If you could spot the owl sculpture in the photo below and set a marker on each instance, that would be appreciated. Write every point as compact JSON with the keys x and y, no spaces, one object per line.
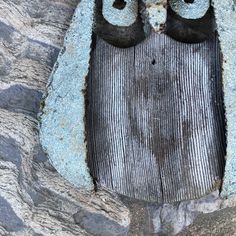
{"x":135,"y":100}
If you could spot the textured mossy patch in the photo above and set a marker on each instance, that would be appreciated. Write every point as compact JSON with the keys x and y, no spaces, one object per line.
{"x":226,"y":17}
{"x":62,"y":130}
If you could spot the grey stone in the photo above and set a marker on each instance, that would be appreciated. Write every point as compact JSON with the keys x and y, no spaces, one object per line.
{"x":8,"y":219}
{"x":98,"y":224}
{"x":6,"y":32}
{"x":20,"y":99}
{"x":5,"y":65}
{"x":218,"y":223}
{"x":37,"y":50}
{"x":9,"y":151}
{"x":39,"y":154}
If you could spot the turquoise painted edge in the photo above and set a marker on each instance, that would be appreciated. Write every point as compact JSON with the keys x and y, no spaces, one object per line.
{"x":125,"y":17}
{"x":62,"y":131}
{"x":194,"y":10}
{"x":226,"y":17}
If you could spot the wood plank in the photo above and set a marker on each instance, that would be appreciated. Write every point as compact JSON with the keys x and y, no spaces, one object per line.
{"x":156,"y":119}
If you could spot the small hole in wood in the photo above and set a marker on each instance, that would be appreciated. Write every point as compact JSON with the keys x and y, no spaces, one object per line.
{"x":153,"y":62}
{"x":119,"y":4}
{"x":189,"y":1}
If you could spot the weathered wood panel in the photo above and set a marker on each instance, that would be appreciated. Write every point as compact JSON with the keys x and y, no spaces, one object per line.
{"x":156,"y":118}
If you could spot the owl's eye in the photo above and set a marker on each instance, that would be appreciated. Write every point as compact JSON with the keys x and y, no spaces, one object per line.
{"x":190,"y":9}
{"x":119,"y":4}
{"x":120,"y":12}
{"x":119,"y":23}
{"x":190,"y":21}
{"x":125,"y":23}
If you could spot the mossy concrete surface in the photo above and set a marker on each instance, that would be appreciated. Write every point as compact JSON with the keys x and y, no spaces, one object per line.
{"x":190,"y":9}
{"x":125,"y":16}
{"x":225,"y":18}
{"x":62,"y":122}
{"x":154,"y":15}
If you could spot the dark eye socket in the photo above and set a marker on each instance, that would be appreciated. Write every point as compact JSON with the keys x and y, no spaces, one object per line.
{"x":119,"y":4}
{"x":189,"y":1}
{"x":118,"y":36}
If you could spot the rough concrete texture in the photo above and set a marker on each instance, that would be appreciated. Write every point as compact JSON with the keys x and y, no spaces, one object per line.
{"x":124,"y":13}
{"x":170,"y":219}
{"x":218,"y":223}
{"x":195,"y":216}
{"x":154,"y":15}
{"x":225,"y":19}
{"x":193,"y":10}
{"x":62,"y":121}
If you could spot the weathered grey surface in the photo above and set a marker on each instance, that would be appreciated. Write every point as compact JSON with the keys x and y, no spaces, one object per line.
{"x":34,"y":199}
{"x":219,"y":223}
{"x":152,"y":219}
{"x":156,"y":119}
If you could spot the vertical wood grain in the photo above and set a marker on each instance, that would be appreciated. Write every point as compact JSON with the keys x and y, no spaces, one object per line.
{"x":156,"y":118}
